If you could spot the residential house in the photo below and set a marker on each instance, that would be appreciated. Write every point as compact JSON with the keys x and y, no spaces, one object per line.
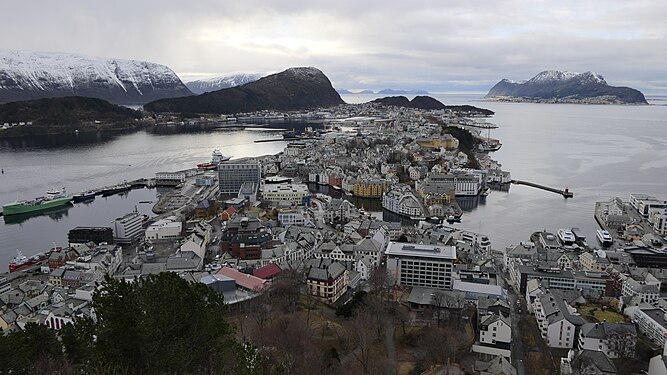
{"x":495,"y":336}
{"x":615,"y":340}
{"x":586,"y":362}
{"x":557,"y":321}
{"x":227,"y":214}
{"x":326,"y":279}
{"x":497,"y":366}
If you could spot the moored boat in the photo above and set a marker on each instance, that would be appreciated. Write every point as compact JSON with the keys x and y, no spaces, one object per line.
{"x":83,"y":196}
{"x":21,"y":260}
{"x":53,"y":198}
{"x":111,"y":190}
{"x":217,"y":157}
{"x":604,"y":237}
{"x":451,"y":219}
{"x":566,"y":237}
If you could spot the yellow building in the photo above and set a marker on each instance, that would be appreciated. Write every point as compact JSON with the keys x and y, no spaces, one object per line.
{"x":447,"y":141}
{"x":435,"y":193}
{"x":370,"y":187}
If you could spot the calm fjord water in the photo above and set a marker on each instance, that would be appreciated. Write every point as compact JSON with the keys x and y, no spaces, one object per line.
{"x":597,"y":151}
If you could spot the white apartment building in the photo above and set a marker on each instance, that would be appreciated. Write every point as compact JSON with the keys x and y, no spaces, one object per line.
{"x":170,"y":177}
{"x":651,"y":321}
{"x":465,"y":183}
{"x":128,"y":228}
{"x":412,"y":264}
{"x":293,"y":193}
{"x":165,"y":229}
{"x":401,"y":200}
{"x":658,"y":218}
{"x":644,"y":203}
{"x":648,"y":290}
{"x":557,"y":321}
{"x":293,"y":217}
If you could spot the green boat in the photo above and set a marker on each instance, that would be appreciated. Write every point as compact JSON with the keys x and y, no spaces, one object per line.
{"x":53,"y":198}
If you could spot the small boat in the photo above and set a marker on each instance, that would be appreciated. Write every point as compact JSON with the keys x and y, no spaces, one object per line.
{"x":566,"y":237}
{"x":491,"y":145}
{"x":453,"y":219}
{"x":417,"y":218}
{"x":604,"y":237}
{"x":336,"y":187}
{"x":111,"y":190}
{"x":83,"y":196}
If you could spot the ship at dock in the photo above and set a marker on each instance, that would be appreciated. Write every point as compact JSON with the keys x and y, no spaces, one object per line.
{"x":53,"y":199}
{"x":217,"y":157}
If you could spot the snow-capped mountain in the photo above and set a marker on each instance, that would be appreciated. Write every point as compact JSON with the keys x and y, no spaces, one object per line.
{"x":554,"y":84}
{"x":35,"y":75}
{"x":223,"y":82}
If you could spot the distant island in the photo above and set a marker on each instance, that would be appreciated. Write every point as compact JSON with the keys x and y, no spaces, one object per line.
{"x":294,"y":89}
{"x":383,"y":92}
{"x":429,"y":103}
{"x":552,"y":86}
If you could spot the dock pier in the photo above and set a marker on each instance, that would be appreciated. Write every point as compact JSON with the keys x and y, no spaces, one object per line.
{"x":565,"y":193}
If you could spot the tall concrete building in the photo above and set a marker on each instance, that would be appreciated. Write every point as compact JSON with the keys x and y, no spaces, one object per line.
{"x":128,"y":228}
{"x":232,"y":175}
{"x":412,"y":264}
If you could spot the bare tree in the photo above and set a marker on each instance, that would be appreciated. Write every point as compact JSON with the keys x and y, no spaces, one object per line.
{"x":439,"y":301}
{"x":440,"y":345}
{"x":286,"y":290}
{"x":622,"y":343}
{"x":362,"y":339}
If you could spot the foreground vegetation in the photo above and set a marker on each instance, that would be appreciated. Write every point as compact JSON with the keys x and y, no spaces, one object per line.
{"x":161,"y":324}
{"x":164,"y":325}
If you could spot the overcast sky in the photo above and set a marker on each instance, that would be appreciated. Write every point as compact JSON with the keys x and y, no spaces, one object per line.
{"x":441,"y":46}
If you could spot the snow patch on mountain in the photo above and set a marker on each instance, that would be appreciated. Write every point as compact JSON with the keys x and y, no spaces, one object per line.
{"x":40,"y":74}
{"x":201,"y":86}
{"x":555,"y":75}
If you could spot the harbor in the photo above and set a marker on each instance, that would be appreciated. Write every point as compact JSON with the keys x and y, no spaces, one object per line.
{"x":112,"y":160}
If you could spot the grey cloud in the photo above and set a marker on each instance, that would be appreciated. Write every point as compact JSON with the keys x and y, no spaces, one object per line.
{"x":435,"y":45}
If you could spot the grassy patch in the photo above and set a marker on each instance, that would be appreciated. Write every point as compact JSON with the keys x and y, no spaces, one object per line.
{"x":597,"y":313}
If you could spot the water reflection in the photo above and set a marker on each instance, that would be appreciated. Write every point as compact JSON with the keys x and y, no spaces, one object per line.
{"x":56,"y":214}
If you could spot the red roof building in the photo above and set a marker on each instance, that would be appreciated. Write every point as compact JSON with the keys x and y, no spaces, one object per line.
{"x":267,"y":272}
{"x":227,"y":214}
{"x":244,"y":280}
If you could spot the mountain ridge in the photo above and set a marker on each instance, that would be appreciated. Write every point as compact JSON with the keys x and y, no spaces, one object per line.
{"x":293,"y":89}
{"x":201,"y":86}
{"x":34,"y":75}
